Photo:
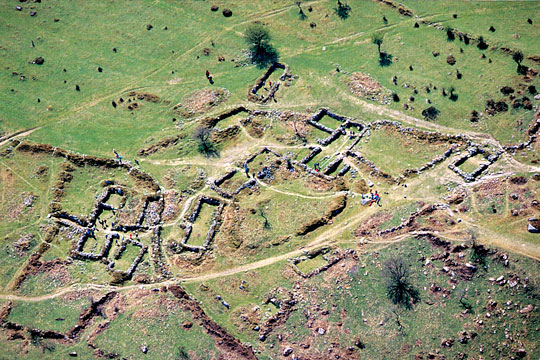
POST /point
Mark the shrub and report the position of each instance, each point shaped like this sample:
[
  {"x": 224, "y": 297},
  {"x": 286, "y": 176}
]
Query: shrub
[
  {"x": 507, "y": 90},
  {"x": 474, "y": 116},
  {"x": 431, "y": 113},
  {"x": 227, "y": 12},
  {"x": 482, "y": 45},
  {"x": 342, "y": 10},
  {"x": 450, "y": 34},
  {"x": 214, "y": 8}
]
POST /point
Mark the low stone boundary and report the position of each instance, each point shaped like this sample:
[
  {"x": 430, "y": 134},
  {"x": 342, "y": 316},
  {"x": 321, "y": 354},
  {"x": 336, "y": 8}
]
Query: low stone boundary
[
  {"x": 252, "y": 93},
  {"x": 471, "y": 152},
  {"x": 531, "y": 131},
  {"x": 332, "y": 166},
  {"x": 335, "y": 208},
  {"x": 190, "y": 220},
  {"x": 315, "y": 150},
  {"x": 78, "y": 253},
  {"x": 226, "y": 342},
  {"x": 370, "y": 165},
  {"x": 211, "y": 122},
  {"x": 129, "y": 272},
  {"x": 216, "y": 185},
  {"x": 90, "y": 160},
  {"x": 424, "y": 211},
  {"x": 334, "y": 133},
  {"x": 71, "y": 336}
]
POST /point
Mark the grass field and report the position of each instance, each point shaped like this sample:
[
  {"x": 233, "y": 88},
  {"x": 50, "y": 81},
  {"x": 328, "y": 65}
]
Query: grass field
[{"x": 81, "y": 81}]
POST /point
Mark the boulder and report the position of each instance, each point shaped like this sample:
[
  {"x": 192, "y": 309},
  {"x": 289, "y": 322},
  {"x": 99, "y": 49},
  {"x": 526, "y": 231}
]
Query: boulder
[{"x": 288, "y": 351}]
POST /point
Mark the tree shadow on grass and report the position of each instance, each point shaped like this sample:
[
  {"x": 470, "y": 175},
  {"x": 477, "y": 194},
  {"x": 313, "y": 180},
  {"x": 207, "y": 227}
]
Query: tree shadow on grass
[{"x": 385, "y": 59}]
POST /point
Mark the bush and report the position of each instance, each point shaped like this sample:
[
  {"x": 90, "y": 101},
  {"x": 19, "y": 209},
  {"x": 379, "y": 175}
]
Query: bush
[
  {"x": 450, "y": 34},
  {"x": 214, "y": 8},
  {"x": 395, "y": 97},
  {"x": 482, "y": 45},
  {"x": 342, "y": 10},
  {"x": 507, "y": 90},
  {"x": 227, "y": 12},
  {"x": 431, "y": 113},
  {"x": 474, "y": 116}
]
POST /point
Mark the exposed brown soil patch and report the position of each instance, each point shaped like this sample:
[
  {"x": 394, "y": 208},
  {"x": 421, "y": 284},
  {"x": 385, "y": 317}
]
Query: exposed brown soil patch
[
  {"x": 200, "y": 102},
  {"x": 491, "y": 189},
  {"x": 372, "y": 224},
  {"x": 144, "y": 96},
  {"x": 160, "y": 145},
  {"x": 336, "y": 207},
  {"x": 365, "y": 86},
  {"x": 221, "y": 136}
]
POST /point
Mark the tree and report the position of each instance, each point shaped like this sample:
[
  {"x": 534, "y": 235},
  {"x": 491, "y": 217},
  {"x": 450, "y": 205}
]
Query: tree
[
  {"x": 518, "y": 58},
  {"x": 258, "y": 39},
  {"x": 342, "y": 10},
  {"x": 377, "y": 39},
  {"x": 398, "y": 286},
  {"x": 301, "y": 14},
  {"x": 478, "y": 252},
  {"x": 385, "y": 59},
  {"x": 205, "y": 145},
  {"x": 462, "y": 297},
  {"x": 453, "y": 95},
  {"x": 450, "y": 34}
]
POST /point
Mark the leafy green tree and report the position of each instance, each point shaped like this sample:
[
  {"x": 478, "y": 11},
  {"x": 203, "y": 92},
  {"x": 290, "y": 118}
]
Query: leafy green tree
[{"x": 262, "y": 51}]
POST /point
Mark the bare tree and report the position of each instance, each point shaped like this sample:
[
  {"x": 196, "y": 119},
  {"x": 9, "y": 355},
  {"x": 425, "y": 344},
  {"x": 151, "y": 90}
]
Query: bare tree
[
  {"x": 205, "y": 145},
  {"x": 398, "y": 286}
]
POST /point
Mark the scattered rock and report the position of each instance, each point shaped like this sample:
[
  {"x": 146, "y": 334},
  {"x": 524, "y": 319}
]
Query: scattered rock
[
  {"x": 144, "y": 349},
  {"x": 447, "y": 343},
  {"x": 288, "y": 351},
  {"x": 451, "y": 60}
]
